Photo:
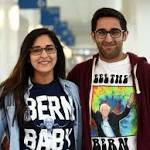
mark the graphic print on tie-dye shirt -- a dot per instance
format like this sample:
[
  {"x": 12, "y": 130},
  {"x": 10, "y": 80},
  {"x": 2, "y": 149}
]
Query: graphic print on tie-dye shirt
[
  {"x": 122, "y": 122},
  {"x": 117, "y": 98}
]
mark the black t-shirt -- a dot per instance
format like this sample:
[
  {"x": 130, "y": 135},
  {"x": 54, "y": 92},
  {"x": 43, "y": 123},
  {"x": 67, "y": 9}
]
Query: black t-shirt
[{"x": 48, "y": 122}]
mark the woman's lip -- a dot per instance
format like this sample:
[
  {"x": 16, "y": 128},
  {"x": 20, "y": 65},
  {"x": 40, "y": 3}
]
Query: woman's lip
[{"x": 44, "y": 62}]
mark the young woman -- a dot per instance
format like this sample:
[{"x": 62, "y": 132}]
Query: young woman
[{"x": 39, "y": 108}]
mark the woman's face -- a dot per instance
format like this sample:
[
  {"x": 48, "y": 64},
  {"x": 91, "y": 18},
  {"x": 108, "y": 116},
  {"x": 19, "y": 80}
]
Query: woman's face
[{"x": 43, "y": 56}]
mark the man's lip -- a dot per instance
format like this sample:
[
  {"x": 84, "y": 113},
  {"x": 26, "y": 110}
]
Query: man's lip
[{"x": 108, "y": 46}]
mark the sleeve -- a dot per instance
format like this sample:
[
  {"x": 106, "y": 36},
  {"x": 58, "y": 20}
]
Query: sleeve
[
  {"x": 73, "y": 75},
  {"x": 2, "y": 123},
  {"x": 125, "y": 112},
  {"x": 5, "y": 143}
]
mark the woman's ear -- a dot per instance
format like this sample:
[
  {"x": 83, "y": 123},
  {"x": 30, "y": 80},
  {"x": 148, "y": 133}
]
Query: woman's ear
[{"x": 29, "y": 61}]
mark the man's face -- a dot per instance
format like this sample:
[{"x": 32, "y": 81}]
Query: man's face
[
  {"x": 105, "y": 110},
  {"x": 110, "y": 48}
]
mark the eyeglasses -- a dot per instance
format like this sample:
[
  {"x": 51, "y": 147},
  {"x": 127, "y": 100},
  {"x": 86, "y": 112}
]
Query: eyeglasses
[
  {"x": 37, "y": 50},
  {"x": 114, "y": 33}
]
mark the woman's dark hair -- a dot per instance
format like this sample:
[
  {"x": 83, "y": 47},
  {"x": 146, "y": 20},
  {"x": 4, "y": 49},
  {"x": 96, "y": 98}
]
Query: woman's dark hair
[
  {"x": 16, "y": 84},
  {"x": 108, "y": 12}
]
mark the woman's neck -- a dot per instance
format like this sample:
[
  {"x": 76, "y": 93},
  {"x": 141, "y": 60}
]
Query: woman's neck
[{"x": 44, "y": 78}]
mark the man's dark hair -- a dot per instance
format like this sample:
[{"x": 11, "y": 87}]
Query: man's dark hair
[{"x": 108, "y": 12}]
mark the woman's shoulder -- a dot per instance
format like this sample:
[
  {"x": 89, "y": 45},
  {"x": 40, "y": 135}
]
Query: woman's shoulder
[{"x": 66, "y": 82}]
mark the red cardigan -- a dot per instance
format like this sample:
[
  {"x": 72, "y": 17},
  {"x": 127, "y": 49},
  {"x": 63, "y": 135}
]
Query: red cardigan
[{"x": 81, "y": 74}]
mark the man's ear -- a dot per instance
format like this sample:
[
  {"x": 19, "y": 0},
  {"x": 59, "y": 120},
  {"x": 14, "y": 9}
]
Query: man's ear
[
  {"x": 93, "y": 36},
  {"x": 125, "y": 35}
]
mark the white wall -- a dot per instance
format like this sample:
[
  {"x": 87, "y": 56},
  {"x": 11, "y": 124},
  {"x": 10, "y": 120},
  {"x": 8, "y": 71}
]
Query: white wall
[
  {"x": 138, "y": 17},
  {"x": 136, "y": 11},
  {"x": 143, "y": 27},
  {"x": 8, "y": 42},
  {"x": 11, "y": 39}
]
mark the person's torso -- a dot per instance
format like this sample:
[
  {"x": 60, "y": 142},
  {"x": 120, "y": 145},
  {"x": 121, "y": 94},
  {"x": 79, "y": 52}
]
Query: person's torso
[
  {"x": 49, "y": 120},
  {"x": 111, "y": 94}
]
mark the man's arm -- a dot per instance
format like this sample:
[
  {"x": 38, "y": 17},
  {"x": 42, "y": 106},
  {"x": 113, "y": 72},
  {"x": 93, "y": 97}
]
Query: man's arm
[{"x": 131, "y": 100}]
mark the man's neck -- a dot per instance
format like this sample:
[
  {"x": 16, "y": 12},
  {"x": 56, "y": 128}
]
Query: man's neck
[{"x": 116, "y": 59}]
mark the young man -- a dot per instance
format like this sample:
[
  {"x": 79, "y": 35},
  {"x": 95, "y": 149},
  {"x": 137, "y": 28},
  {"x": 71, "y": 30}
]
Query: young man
[{"x": 111, "y": 76}]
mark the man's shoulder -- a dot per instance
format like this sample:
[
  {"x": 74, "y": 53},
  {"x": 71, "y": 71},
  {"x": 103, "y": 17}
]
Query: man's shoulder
[
  {"x": 135, "y": 59},
  {"x": 81, "y": 71},
  {"x": 67, "y": 83},
  {"x": 82, "y": 66},
  {"x": 86, "y": 64}
]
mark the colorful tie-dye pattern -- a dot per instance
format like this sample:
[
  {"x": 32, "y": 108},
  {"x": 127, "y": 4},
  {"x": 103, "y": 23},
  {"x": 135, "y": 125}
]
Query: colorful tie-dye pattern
[{"x": 117, "y": 98}]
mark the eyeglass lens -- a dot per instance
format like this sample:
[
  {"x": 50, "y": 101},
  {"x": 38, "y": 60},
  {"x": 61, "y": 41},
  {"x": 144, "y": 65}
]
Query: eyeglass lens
[
  {"x": 38, "y": 50},
  {"x": 114, "y": 33}
]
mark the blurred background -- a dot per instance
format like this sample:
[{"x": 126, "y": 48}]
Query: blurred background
[{"x": 71, "y": 20}]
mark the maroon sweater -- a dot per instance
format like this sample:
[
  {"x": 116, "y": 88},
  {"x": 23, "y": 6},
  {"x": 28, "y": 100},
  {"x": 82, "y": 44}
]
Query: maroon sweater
[{"x": 81, "y": 74}]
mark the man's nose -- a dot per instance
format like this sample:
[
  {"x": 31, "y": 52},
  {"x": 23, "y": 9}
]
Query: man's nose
[{"x": 108, "y": 37}]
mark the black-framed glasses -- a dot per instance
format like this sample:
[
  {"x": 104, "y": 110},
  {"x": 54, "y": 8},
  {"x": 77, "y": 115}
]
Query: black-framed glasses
[
  {"x": 114, "y": 33},
  {"x": 37, "y": 50}
]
